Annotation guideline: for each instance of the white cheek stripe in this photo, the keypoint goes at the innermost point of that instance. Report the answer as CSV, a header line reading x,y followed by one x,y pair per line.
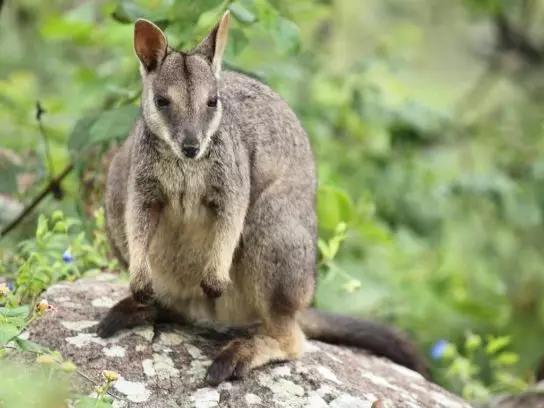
x,y
159,126
214,126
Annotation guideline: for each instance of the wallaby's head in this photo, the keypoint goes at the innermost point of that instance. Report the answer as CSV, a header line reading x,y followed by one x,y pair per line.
x,y
180,99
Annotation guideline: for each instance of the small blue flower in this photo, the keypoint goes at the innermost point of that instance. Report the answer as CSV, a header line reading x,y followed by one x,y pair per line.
x,y
11,286
67,256
438,349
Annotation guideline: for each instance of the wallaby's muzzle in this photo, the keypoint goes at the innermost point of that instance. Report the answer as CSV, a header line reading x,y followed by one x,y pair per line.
x,y
190,148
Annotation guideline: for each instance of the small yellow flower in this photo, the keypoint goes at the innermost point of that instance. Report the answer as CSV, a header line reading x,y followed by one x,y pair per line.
x,y
45,359
110,376
99,390
42,306
4,290
68,367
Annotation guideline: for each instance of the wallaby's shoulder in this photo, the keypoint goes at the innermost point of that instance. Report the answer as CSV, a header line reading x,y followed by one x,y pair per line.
x,y
242,87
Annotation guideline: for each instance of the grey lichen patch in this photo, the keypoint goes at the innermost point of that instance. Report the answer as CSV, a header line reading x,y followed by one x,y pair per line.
x,y
205,398
119,404
194,351
406,372
140,348
147,365
84,339
327,374
349,401
252,399
71,305
380,381
327,392
333,358
103,302
283,387
134,391
114,351
315,401
164,367
225,386
79,325
310,347
444,401
197,369
281,371
145,331
417,387
285,392
170,339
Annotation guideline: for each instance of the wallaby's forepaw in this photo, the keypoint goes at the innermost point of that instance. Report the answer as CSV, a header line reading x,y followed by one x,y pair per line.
x,y
125,314
214,287
233,362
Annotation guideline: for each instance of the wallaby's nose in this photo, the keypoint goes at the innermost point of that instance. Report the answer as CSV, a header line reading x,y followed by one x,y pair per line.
x,y
190,150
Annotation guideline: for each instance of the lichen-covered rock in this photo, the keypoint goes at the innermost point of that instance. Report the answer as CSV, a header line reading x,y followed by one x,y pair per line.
x,y
164,367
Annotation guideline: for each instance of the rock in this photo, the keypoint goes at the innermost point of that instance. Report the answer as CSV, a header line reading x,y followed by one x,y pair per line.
x,y
164,367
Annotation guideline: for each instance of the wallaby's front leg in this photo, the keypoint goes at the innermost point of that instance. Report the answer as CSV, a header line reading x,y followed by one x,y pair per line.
x,y
227,231
143,213
227,201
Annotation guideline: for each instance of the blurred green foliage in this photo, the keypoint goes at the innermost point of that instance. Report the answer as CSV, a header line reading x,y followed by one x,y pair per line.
x,y
424,117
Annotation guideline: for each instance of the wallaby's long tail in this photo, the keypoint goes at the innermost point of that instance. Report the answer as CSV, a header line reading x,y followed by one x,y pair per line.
x,y
376,338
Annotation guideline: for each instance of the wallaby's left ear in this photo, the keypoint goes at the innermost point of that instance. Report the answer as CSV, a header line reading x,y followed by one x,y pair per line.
x,y
150,44
213,46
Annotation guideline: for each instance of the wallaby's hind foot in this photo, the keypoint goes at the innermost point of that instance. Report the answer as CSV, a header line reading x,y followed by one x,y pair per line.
x,y
129,313
242,355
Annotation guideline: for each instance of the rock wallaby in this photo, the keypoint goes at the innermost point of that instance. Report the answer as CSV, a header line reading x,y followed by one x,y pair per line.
x,y
210,204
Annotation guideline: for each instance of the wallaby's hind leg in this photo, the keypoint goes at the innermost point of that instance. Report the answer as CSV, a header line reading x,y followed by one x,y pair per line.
x,y
278,340
129,313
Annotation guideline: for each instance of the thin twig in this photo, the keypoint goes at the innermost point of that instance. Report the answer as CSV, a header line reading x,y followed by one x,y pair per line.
x,y
39,113
52,186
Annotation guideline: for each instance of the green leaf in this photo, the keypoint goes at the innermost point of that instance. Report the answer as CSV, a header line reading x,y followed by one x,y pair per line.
x,y
473,342
27,345
324,249
91,130
91,402
333,207
127,11
7,332
242,14
20,312
506,358
495,344
209,18
287,36
237,41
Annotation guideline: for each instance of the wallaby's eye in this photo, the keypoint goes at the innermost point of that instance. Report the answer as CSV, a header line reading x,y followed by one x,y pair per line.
x,y
161,101
212,102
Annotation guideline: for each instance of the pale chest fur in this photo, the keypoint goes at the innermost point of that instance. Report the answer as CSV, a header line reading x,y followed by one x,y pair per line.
x,y
179,250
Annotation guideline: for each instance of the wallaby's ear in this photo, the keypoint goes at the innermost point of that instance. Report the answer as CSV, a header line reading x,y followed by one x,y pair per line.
x,y
150,44
213,46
